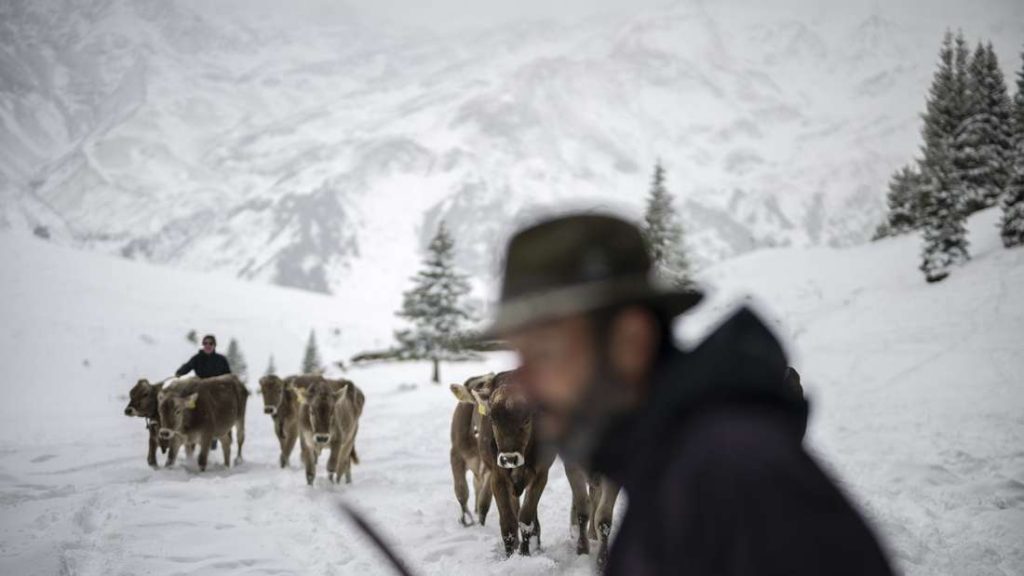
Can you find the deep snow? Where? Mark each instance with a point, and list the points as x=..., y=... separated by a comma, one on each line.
x=916, y=393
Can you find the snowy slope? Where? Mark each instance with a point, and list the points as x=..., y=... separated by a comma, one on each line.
x=312, y=150
x=916, y=392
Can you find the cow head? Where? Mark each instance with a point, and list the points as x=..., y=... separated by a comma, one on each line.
x=177, y=413
x=510, y=412
x=272, y=388
x=318, y=400
x=142, y=399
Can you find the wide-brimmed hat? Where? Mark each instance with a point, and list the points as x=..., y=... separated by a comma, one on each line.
x=576, y=264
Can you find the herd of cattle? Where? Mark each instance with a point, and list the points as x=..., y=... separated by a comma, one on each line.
x=491, y=437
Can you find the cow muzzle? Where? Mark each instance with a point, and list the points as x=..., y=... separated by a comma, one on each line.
x=510, y=460
x=166, y=433
x=272, y=410
x=129, y=411
x=321, y=438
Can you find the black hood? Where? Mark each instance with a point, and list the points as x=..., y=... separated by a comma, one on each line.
x=741, y=362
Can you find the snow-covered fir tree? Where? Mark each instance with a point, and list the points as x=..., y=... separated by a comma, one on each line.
x=237, y=361
x=942, y=215
x=903, y=201
x=664, y=233
x=311, y=361
x=985, y=143
x=271, y=369
x=436, y=307
x=1012, y=221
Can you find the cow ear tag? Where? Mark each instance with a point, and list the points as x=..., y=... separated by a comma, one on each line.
x=191, y=404
x=481, y=409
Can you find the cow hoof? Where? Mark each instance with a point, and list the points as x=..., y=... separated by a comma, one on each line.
x=309, y=479
x=238, y=461
x=466, y=519
x=284, y=463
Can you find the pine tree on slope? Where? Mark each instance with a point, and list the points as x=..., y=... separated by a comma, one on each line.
x=271, y=369
x=664, y=234
x=237, y=361
x=436, y=307
x=311, y=361
x=942, y=215
x=904, y=202
x=985, y=144
x=1012, y=223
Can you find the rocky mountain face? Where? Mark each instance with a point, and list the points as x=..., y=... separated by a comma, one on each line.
x=317, y=150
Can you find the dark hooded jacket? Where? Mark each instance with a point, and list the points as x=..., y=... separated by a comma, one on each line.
x=718, y=481
x=205, y=365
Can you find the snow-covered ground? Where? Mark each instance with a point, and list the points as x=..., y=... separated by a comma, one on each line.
x=917, y=394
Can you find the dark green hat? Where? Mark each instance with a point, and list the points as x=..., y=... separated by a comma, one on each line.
x=576, y=264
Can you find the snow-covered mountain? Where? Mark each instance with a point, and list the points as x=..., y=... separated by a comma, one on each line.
x=316, y=150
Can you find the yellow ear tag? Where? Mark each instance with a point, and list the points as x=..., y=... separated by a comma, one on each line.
x=481, y=409
x=191, y=404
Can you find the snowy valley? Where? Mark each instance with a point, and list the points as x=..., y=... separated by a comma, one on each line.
x=916, y=404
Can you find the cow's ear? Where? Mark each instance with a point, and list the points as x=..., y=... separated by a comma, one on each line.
x=300, y=393
x=462, y=394
x=142, y=382
x=158, y=387
x=190, y=401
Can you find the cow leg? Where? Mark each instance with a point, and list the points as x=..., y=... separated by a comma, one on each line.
x=153, y=442
x=240, y=431
x=287, y=445
x=507, y=516
x=483, y=496
x=580, y=512
x=204, y=452
x=172, y=451
x=332, y=463
x=529, y=524
x=190, y=449
x=461, y=487
x=348, y=464
x=225, y=444
x=603, y=519
x=309, y=460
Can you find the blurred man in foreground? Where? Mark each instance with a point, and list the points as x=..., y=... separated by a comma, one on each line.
x=706, y=443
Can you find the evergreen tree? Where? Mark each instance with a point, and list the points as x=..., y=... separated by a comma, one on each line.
x=1012, y=223
x=237, y=361
x=664, y=234
x=942, y=215
x=192, y=337
x=271, y=369
x=311, y=362
x=904, y=202
x=435, y=307
x=985, y=143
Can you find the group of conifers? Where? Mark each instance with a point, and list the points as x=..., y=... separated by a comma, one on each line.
x=492, y=438
x=321, y=412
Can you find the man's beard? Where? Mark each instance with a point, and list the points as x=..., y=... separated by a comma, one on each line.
x=582, y=429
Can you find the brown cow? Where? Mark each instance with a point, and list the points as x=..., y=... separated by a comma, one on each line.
x=197, y=410
x=282, y=404
x=329, y=411
x=465, y=455
x=142, y=403
x=516, y=462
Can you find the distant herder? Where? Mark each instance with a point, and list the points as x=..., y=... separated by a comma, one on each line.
x=207, y=363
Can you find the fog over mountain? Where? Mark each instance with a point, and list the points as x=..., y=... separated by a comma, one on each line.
x=321, y=146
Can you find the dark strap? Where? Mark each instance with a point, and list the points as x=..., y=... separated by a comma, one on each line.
x=360, y=521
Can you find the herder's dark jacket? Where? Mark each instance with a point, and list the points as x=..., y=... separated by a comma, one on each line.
x=718, y=481
x=205, y=365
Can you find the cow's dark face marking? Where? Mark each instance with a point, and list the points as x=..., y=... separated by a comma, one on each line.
x=272, y=390
x=142, y=399
x=177, y=414
x=320, y=400
x=512, y=422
